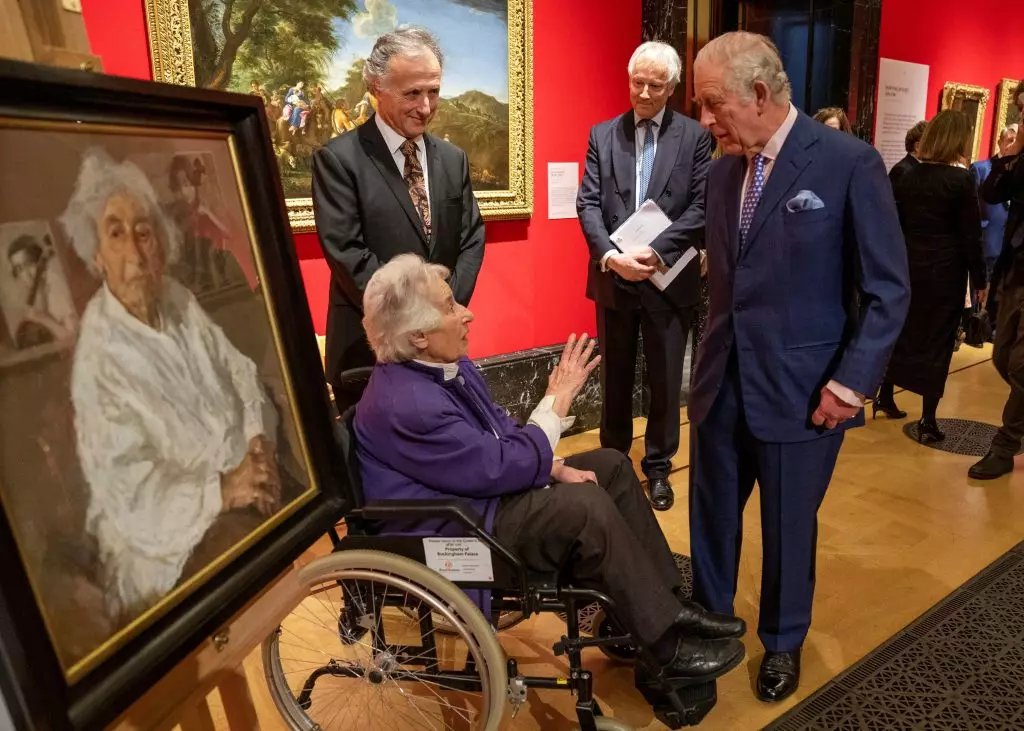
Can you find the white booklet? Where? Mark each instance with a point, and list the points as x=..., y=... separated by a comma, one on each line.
x=643, y=227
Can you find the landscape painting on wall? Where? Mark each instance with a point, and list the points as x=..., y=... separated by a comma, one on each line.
x=305, y=61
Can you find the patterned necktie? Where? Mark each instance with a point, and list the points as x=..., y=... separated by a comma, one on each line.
x=646, y=159
x=752, y=197
x=417, y=187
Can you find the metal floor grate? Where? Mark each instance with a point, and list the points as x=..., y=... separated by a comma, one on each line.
x=963, y=436
x=960, y=666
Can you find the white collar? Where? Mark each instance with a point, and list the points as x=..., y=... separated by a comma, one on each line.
x=450, y=369
x=657, y=118
x=392, y=139
x=774, y=147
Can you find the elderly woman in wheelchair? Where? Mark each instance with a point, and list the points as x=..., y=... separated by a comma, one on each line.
x=449, y=480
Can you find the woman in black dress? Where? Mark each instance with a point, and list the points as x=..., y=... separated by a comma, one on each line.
x=939, y=213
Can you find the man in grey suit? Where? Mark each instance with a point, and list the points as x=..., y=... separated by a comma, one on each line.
x=388, y=189
x=650, y=152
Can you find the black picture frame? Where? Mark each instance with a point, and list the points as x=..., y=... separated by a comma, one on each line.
x=32, y=679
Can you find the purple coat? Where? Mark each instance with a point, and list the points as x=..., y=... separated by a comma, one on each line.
x=420, y=437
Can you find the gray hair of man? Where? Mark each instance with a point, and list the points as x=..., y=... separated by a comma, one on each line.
x=397, y=304
x=660, y=54
x=747, y=59
x=406, y=40
x=1009, y=128
x=99, y=178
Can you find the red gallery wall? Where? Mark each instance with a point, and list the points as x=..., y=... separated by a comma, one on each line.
x=972, y=43
x=531, y=287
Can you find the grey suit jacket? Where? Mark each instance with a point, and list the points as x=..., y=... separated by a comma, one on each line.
x=607, y=197
x=364, y=217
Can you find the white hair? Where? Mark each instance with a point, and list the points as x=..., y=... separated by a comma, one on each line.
x=99, y=178
x=406, y=40
x=660, y=54
x=1010, y=128
x=748, y=58
x=397, y=304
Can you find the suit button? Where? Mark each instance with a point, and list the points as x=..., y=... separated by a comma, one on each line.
x=668, y=192
x=614, y=219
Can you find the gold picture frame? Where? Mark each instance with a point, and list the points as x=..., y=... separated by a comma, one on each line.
x=1006, y=111
x=173, y=59
x=972, y=100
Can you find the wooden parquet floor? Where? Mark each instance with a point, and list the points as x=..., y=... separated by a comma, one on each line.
x=900, y=528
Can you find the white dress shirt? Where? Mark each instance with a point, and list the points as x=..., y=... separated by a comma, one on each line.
x=394, y=141
x=160, y=414
x=640, y=137
x=771, y=153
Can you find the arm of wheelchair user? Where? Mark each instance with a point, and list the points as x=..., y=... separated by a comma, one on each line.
x=453, y=510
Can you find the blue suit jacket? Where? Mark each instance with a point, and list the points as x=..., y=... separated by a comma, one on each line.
x=815, y=295
x=993, y=216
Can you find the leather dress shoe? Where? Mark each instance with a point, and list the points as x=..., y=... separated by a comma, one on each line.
x=662, y=497
x=779, y=676
x=696, y=620
x=991, y=467
x=701, y=661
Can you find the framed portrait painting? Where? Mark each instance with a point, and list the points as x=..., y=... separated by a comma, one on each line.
x=1007, y=112
x=972, y=101
x=165, y=432
x=304, y=61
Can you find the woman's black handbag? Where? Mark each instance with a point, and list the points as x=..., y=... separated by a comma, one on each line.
x=979, y=328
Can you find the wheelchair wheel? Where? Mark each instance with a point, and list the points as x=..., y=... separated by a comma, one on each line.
x=603, y=627
x=350, y=656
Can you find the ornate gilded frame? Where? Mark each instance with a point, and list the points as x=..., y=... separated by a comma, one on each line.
x=1004, y=110
x=171, y=53
x=954, y=95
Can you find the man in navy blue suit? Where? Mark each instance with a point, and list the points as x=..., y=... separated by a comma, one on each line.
x=809, y=288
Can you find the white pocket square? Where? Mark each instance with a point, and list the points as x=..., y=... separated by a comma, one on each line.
x=805, y=200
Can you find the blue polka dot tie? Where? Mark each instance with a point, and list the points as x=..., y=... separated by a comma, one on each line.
x=646, y=159
x=752, y=197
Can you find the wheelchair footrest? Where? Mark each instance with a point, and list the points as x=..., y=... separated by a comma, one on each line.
x=679, y=707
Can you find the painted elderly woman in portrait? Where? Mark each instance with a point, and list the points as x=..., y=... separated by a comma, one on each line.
x=174, y=430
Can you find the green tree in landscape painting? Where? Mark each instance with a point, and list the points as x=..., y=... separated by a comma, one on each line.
x=351, y=92
x=277, y=41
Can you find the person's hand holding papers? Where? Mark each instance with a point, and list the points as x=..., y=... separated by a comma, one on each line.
x=634, y=266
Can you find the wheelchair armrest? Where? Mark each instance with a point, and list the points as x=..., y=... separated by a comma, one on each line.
x=453, y=509
x=420, y=509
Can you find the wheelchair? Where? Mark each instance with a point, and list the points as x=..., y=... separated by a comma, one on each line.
x=381, y=641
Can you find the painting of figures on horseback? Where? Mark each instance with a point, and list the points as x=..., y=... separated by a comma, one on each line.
x=305, y=61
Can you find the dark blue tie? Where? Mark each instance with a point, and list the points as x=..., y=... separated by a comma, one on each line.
x=646, y=159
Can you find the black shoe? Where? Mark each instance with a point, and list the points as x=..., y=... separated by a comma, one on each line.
x=662, y=497
x=779, y=676
x=696, y=620
x=991, y=467
x=929, y=431
x=891, y=410
x=701, y=661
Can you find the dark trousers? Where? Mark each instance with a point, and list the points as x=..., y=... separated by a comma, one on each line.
x=664, y=337
x=726, y=460
x=602, y=537
x=1008, y=358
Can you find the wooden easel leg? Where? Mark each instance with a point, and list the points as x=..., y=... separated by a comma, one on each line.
x=238, y=705
x=196, y=718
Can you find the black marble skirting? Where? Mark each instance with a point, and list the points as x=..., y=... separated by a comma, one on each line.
x=518, y=381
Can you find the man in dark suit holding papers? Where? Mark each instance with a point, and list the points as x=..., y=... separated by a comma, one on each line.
x=648, y=153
